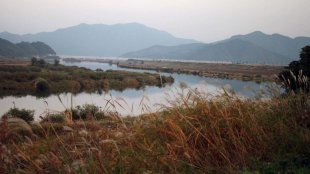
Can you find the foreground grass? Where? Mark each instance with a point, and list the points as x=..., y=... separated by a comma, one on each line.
x=192, y=135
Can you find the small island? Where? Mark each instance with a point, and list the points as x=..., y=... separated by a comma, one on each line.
x=41, y=79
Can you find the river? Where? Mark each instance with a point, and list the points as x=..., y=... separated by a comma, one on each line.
x=129, y=99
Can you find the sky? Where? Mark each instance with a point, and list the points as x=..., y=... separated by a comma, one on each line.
x=203, y=20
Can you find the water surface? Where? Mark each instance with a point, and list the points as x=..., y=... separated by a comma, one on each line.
x=132, y=101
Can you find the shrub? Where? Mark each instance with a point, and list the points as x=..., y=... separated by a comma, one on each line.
x=56, y=118
x=296, y=76
x=41, y=62
x=27, y=115
x=42, y=85
x=295, y=82
x=14, y=129
x=131, y=82
x=82, y=112
x=100, y=115
x=34, y=61
x=56, y=62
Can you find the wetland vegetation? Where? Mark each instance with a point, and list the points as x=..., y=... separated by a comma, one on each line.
x=44, y=79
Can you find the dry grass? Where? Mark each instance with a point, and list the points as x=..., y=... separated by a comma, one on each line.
x=14, y=62
x=220, y=70
x=192, y=135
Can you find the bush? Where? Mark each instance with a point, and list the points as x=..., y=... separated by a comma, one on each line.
x=27, y=115
x=100, y=116
x=42, y=85
x=296, y=82
x=56, y=118
x=82, y=112
x=56, y=62
x=296, y=76
x=41, y=62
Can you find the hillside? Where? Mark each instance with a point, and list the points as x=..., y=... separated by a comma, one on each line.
x=24, y=49
x=235, y=50
x=256, y=47
x=100, y=39
x=277, y=43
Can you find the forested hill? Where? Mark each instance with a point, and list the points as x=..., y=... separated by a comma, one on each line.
x=24, y=49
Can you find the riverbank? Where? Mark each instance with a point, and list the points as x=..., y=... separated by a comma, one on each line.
x=43, y=80
x=257, y=73
x=191, y=135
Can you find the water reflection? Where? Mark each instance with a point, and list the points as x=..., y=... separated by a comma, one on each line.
x=131, y=98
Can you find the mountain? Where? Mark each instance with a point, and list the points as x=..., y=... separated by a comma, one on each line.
x=100, y=39
x=256, y=47
x=284, y=45
x=24, y=49
x=136, y=40
x=236, y=51
x=8, y=49
x=11, y=37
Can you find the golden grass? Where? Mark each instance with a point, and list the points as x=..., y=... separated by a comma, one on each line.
x=192, y=135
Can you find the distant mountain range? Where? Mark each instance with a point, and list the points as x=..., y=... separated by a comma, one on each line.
x=100, y=39
x=135, y=40
x=253, y=48
x=24, y=49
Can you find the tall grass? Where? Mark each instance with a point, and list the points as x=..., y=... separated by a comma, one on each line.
x=192, y=135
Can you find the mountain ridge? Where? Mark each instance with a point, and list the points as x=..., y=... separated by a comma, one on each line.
x=276, y=42
x=137, y=40
x=235, y=51
x=273, y=49
x=24, y=49
x=101, y=39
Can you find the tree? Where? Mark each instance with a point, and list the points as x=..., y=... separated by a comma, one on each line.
x=56, y=62
x=296, y=76
x=41, y=62
x=305, y=60
x=34, y=61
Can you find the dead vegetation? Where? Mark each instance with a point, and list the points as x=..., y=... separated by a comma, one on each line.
x=191, y=135
x=219, y=70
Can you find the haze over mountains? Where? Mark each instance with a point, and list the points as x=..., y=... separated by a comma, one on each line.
x=135, y=40
x=253, y=48
x=24, y=49
x=100, y=39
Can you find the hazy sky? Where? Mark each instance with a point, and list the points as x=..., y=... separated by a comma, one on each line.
x=204, y=20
